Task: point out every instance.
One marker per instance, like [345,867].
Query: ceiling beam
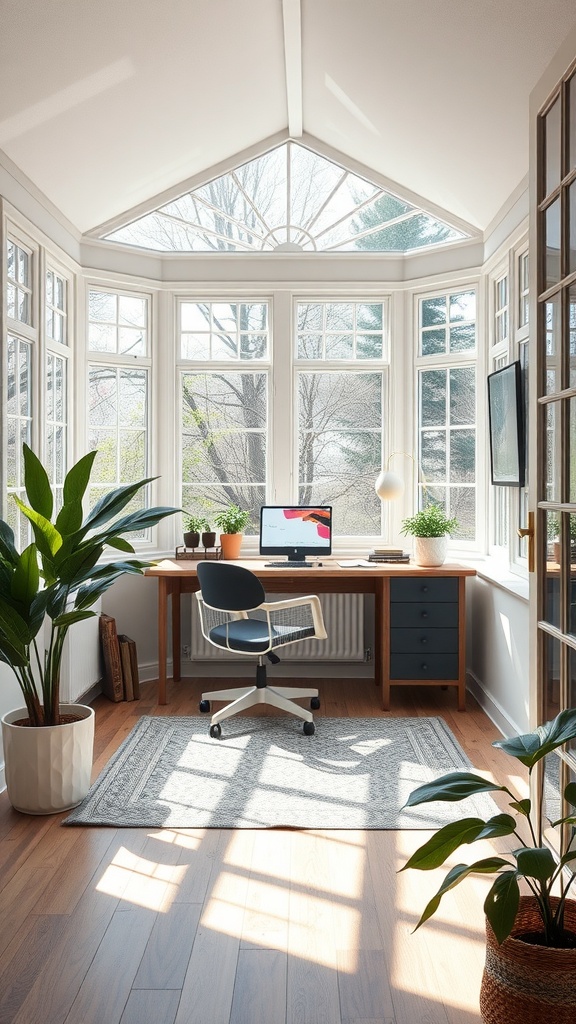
[291,13]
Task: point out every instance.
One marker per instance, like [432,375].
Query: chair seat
[253,635]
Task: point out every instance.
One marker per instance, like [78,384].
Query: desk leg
[176,674]
[380,674]
[162,637]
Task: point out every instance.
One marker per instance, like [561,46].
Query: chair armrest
[297,602]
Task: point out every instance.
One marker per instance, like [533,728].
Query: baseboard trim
[245,669]
[491,707]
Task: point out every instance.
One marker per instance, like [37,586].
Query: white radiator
[344,621]
[81,664]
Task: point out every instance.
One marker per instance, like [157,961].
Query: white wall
[10,698]
[497,653]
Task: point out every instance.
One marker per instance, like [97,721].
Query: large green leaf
[37,484]
[535,862]
[434,852]
[111,504]
[89,593]
[78,478]
[76,615]
[501,904]
[570,793]
[452,787]
[69,518]
[13,626]
[532,747]
[26,577]
[487,866]
[47,538]
[134,521]
[78,564]
[8,549]
[498,825]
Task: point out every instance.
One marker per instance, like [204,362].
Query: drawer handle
[424,590]
[423,640]
[424,666]
[424,615]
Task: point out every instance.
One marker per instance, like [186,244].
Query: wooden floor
[195,926]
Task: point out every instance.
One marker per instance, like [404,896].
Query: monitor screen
[295,532]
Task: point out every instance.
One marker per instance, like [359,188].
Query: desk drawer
[411,614]
[424,588]
[424,666]
[424,641]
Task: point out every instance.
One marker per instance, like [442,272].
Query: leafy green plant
[535,863]
[58,576]
[195,524]
[231,519]
[431,521]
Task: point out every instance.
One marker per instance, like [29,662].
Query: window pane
[463,306]
[462,395]
[433,311]
[432,397]
[224,440]
[552,147]
[117,429]
[338,330]
[117,323]
[433,341]
[224,331]
[340,431]
[552,243]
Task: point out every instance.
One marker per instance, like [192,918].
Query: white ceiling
[104,104]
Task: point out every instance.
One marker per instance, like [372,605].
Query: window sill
[499,575]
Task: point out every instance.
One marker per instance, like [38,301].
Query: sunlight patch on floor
[143,882]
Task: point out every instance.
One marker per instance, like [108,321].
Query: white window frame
[448,361]
[116,360]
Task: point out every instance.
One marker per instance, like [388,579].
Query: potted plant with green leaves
[193,527]
[231,521]
[45,589]
[530,972]
[430,528]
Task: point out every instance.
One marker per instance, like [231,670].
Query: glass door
[555,590]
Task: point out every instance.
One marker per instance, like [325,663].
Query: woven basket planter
[527,984]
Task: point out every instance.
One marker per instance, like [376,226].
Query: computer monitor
[296,531]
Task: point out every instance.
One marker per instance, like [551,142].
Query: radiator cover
[344,621]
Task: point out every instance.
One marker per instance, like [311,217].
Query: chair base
[247,696]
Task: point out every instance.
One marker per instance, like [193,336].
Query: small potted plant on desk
[231,521]
[530,972]
[430,528]
[48,745]
[193,527]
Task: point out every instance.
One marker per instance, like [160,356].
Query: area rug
[264,773]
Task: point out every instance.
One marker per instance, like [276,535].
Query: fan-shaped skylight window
[290,199]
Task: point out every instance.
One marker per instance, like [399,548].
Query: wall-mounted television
[506,426]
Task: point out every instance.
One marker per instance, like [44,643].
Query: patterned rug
[264,773]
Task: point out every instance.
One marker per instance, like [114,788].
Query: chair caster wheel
[204,706]
[315,703]
[309,728]
[216,731]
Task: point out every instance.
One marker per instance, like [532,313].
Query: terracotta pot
[430,550]
[528,984]
[48,769]
[191,539]
[231,544]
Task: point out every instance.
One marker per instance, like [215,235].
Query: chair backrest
[230,587]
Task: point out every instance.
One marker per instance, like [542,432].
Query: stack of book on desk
[388,554]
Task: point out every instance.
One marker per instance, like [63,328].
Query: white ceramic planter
[48,769]
[430,551]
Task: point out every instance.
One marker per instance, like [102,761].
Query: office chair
[228,597]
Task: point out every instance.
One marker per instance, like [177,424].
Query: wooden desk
[404,617]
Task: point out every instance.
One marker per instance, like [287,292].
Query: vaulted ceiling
[106,104]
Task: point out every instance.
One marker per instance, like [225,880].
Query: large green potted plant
[530,972]
[430,528]
[231,521]
[53,583]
